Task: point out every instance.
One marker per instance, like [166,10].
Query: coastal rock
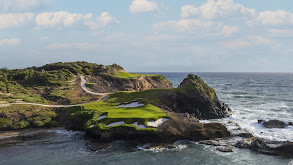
[172,130]
[279,148]
[177,129]
[215,142]
[159,146]
[225,149]
[196,97]
[273,123]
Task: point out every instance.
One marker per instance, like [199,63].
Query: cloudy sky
[150,35]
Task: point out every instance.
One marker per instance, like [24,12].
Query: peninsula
[108,104]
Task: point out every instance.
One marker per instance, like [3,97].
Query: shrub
[5,123]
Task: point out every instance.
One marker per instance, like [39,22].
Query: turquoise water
[251,96]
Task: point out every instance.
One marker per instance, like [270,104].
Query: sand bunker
[157,123]
[131,105]
[116,123]
[102,117]
[139,125]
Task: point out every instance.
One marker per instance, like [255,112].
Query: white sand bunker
[116,123]
[139,125]
[122,122]
[102,117]
[131,105]
[157,123]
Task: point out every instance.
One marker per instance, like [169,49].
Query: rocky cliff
[109,84]
[196,97]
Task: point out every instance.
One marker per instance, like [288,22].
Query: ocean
[251,96]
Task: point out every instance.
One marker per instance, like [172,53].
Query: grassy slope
[30,116]
[131,75]
[12,91]
[61,91]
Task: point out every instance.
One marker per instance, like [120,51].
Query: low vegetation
[130,75]
[50,84]
[195,81]
[24,116]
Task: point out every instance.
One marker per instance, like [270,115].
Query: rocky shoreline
[192,101]
[184,108]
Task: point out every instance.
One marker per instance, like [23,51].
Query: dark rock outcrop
[196,97]
[273,123]
[172,130]
[279,148]
[225,149]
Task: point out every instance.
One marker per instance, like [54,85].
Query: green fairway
[141,114]
[131,75]
[89,85]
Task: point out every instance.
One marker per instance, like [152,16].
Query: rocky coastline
[183,107]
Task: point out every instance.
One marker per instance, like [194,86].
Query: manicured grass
[89,85]
[148,96]
[131,75]
[129,115]
[151,96]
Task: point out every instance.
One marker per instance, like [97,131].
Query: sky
[150,35]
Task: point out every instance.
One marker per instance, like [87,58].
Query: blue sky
[150,35]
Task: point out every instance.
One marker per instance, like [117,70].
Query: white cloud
[102,21]
[8,20]
[278,17]
[248,42]
[229,30]
[116,37]
[65,19]
[10,42]
[62,18]
[221,9]
[189,10]
[22,5]
[79,45]
[199,26]
[159,37]
[215,9]
[259,40]
[185,25]
[235,44]
[142,6]
[281,32]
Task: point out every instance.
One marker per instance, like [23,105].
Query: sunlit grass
[131,75]
[129,115]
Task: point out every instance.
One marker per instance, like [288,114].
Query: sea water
[251,96]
